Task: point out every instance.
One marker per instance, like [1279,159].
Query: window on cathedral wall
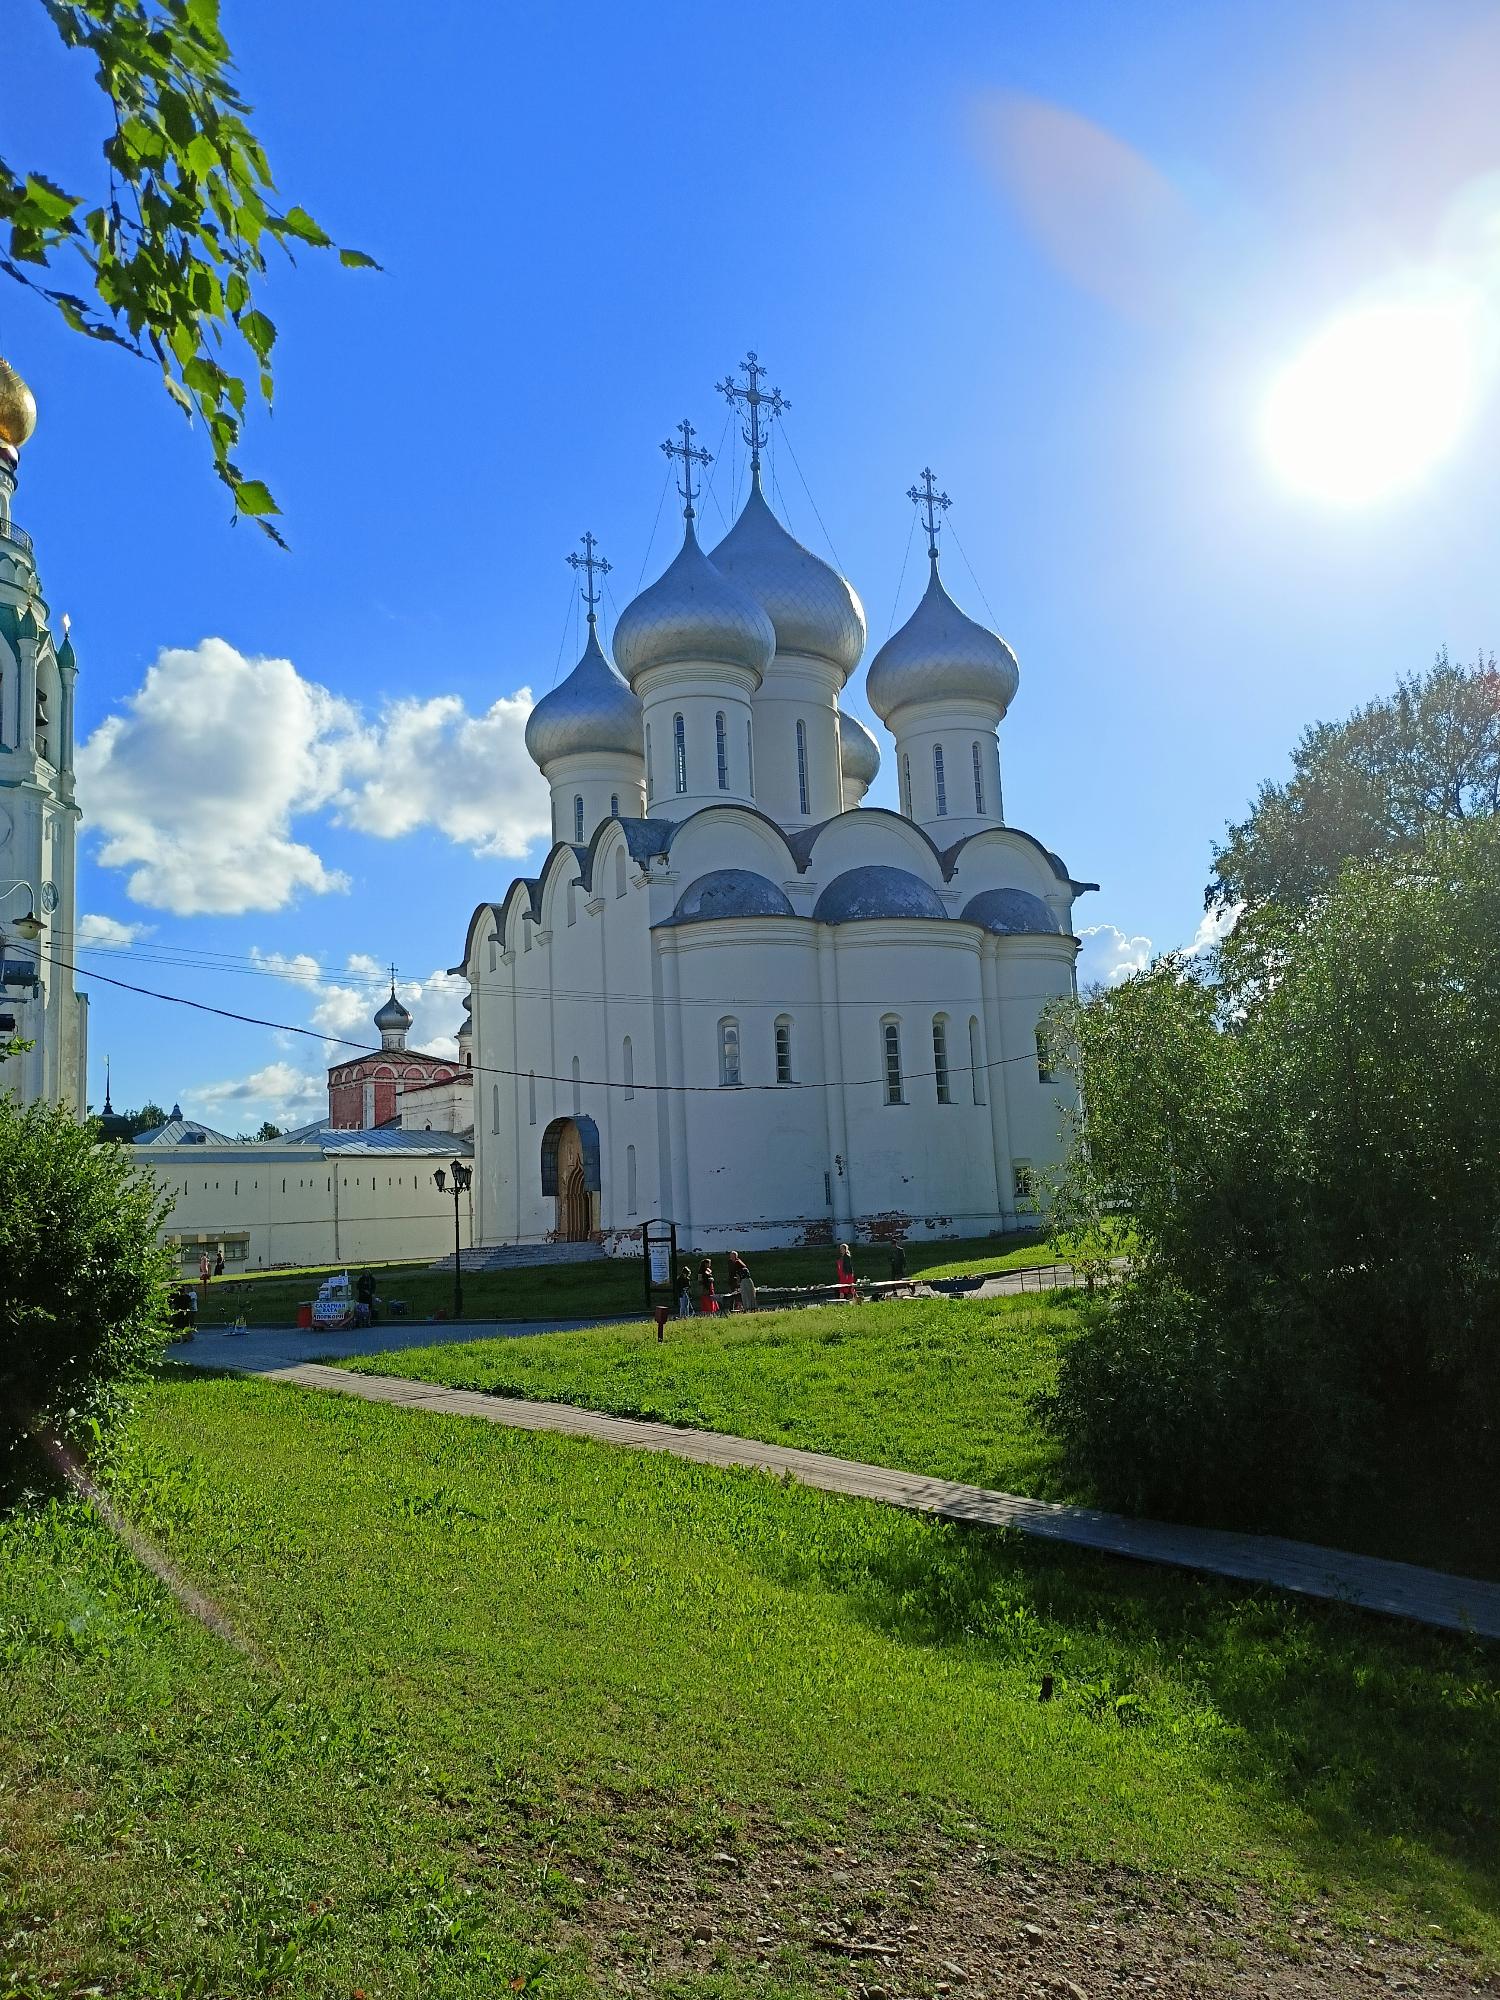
[750,758]
[614,805]
[784,1049]
[1046,1071]
[630,1190]
[721,752]
[978,780]
[578,816]
[627,1067]
[802,768]
[494,952]
[906,786]
[494,1107]
[940,1059]
[729,1053]
[939,781]
[890,1049]
[650,768]
[679,752]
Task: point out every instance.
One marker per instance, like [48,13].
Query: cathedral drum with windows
[734,996]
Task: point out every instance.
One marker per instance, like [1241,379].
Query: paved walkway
[1428,1596]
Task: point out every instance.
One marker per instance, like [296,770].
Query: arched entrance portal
[570,1173]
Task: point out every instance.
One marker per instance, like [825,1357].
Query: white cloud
[110,932]
[199,782]
[1109,955]
[1213,926]
[280,1091]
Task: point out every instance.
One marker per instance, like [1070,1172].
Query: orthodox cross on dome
[589,562]
[753,398]
[931,502]
[691,455]
[393,979]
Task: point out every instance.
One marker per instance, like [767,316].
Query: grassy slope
[926,1385]
[603,1290]
[494,1663]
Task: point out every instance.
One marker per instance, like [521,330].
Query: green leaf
[297,222]
[356,260]
[254,497]
[260,333]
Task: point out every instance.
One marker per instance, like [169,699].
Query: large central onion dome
[592,711]
[693,614]
[941,654]
[17,408]
[815,612]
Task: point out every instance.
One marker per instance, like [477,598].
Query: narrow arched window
[577,1087]
[614,805]
[494,951]
[940,1058]
[802,767]
[620,867]
[721,752]
[630,1200]
[729,1053]
[978,779]
[578,816]
[531,1095]
[650,769]
[784,1049]
[1045,1070]
[750,757]
[679,752]
[627,1064]
[494,1107]
[939,782]
[906,786]
[890,1045]
[976,1060]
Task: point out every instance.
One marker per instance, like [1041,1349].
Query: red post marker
[661,1313]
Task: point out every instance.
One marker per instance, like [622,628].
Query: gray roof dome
[941,654]
[811,606]
[859,753]
[693,612]
[592,710]
[391,1014]
[877,891]
[730,892]
[1010,913]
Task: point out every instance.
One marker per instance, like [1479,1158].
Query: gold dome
[17,407]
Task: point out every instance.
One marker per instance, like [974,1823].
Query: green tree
[83,1287]
[268,1130]
[1393,773]
[175,240]
[1306,1134]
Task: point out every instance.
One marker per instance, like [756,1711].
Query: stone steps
[521,1256]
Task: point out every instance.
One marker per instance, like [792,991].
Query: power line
[546,1076]
[838,560]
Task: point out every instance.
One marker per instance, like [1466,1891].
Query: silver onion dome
[592,710]
[693,613]
[941,654]
[813,609]
[392,1015]
[859,753]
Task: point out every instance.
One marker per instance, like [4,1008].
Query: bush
[1306,1132]
[83,1287]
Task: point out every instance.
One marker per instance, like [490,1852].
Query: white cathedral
[735,997]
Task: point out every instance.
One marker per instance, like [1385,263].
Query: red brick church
[368,1091]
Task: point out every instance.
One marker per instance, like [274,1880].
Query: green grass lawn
[500,1682]
[598,1290]
[926,1385]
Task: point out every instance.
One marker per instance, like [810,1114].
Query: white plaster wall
[699,694]
[956,727]
[1031,971]
[598,780]
[300,1208]
[797,690]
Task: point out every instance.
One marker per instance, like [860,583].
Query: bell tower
[38,815]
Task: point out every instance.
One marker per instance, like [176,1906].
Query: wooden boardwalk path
[1427,1596]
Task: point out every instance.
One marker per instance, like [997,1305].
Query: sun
[1376,399]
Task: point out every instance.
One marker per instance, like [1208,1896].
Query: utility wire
[661,501]
[838,560]
[972,572]
[896,600]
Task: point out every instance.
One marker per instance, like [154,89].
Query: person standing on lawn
[741,1280]
[845,1270]
[708,1297]
[685,1307]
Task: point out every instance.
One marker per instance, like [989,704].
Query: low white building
[733,997]
[316,1197]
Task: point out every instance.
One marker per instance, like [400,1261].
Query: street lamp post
[462,1176]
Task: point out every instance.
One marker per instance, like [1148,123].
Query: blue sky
[1058,251]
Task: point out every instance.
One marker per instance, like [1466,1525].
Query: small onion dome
[1010,913]
[592,710]
[391,1015]
[859,753]
[730,892]
[939,654]
[17,408]
[876,891]
[693,613]
[812,608]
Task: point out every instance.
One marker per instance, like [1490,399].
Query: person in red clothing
[708,1298]
[845,1269]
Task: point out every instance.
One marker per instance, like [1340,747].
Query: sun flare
[1376,399]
